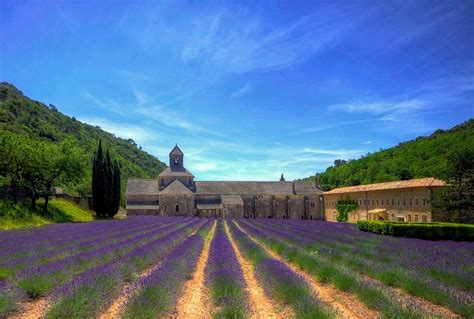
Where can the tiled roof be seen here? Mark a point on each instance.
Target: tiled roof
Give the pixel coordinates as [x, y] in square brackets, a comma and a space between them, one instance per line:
[232, 200]
[142, 187]
[169, 172]
[419, 182]
[176, 187]
[252, 188]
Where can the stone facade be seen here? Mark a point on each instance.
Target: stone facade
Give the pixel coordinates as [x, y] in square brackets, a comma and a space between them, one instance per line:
[407, 201]
[175, 192]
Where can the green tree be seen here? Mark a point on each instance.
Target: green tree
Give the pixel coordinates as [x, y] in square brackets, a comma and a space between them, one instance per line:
[13, 161]
[458, 197]
[52, 164]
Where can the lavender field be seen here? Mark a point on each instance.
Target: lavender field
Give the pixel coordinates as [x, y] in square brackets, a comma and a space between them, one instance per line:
[154, 267]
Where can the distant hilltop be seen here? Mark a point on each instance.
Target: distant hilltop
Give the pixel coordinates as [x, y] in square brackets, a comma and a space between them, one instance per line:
[21, 115]
[421, 157]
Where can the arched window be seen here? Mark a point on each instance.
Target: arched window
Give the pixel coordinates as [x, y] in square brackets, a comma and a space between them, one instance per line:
[177, 208]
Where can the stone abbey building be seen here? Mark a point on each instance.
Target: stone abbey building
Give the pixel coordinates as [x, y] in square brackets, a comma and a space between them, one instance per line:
[175, 192]
[401, 201]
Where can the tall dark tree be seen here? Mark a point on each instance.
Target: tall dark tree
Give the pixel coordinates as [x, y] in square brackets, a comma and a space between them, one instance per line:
[105, 175]
[116, 189]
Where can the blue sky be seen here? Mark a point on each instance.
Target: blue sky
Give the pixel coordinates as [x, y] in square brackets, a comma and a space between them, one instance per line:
[247, 89]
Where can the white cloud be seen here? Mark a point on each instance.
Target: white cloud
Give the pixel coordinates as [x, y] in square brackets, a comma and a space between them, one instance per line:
[381, 106]
[242, 43]
[367, 142]
[124, 130]
[240, 92]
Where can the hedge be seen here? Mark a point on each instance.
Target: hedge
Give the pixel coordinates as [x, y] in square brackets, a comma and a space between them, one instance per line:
[430, 231]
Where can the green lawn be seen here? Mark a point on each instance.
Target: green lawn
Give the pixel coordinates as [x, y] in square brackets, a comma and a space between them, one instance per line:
[14, 216]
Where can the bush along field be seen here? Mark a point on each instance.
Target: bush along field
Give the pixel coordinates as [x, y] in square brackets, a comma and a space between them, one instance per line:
[431, 231]
[21, 215]
[182, 267]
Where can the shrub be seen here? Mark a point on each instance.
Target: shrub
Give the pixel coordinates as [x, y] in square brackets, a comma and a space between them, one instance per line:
[431, 231]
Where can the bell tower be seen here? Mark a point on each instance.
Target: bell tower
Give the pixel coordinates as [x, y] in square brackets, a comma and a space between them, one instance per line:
[176, 160]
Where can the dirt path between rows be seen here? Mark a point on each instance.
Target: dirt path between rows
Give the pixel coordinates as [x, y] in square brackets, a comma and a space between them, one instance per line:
[261, 306]
[32, 309]
[128, 291]
[195, 302]
[346, 304]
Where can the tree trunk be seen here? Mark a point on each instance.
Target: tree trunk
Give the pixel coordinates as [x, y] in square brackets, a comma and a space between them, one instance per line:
[14, 191]
[33, 201]
[46, 200]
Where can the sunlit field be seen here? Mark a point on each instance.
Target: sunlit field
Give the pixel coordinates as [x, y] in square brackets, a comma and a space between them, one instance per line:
[149, 267]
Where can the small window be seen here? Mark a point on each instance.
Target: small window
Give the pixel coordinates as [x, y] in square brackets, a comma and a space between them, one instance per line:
[424, 219]
[411, 202]
[266, 204]
[409, 218]
[177, 208]
[404, 203]
[416, 218]
[377, 202]
[417, 202]
[165, 208]
[398, 201]
[393, 201]
[276, 204]
[382, 201]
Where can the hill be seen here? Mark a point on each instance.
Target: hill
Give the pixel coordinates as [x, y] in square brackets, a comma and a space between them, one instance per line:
[421, 157]
[22, 115]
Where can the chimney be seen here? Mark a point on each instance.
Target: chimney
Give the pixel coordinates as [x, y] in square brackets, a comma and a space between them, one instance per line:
[294, 188]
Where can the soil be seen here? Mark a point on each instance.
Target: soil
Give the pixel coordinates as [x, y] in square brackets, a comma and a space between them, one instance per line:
[261, 306]
[33, 309]
[195, 301]
[345, 304]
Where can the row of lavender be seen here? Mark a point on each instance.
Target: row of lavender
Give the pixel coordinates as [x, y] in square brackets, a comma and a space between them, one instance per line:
[279, 281]
[61, 246]
[440, 272]
[156, 295]
[224, 278]
[42, 279]
[352, 262]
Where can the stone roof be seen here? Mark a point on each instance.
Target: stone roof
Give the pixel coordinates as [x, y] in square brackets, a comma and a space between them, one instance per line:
[251, 188]
[306, 187]
[168, 172]
[209, 206]
[176, 187]
[412, 183]
[144, 207]
[232, 200]
[176, 151]
[142, 187]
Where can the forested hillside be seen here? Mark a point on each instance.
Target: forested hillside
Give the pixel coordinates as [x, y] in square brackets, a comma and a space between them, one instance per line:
[422, 157]
[24, 116]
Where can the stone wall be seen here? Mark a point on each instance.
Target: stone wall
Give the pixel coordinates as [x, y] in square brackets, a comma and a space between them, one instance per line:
[176, 204]
[409, 205]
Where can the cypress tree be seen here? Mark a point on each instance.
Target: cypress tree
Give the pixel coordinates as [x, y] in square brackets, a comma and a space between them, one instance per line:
[116, 189]
[98, 186]
[105, 184]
